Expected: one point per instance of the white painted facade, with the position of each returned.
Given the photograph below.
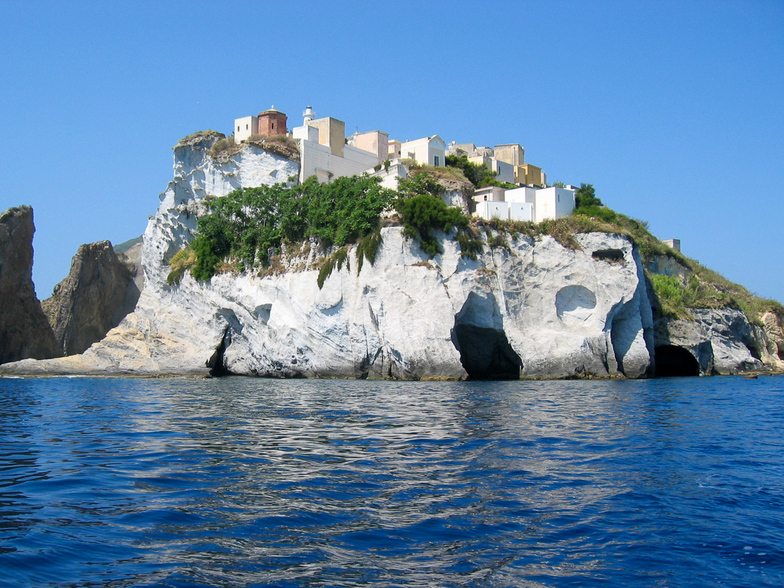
(490, 193)
(521, 211)
(426, 151)
(522, 194)
(391, 174)
(504, 172)
(325, 154)
(527, 203)
(490, 209)
(553, 202)
(318, 160)
(245, 127)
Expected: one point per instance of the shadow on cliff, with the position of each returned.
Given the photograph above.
(478, 335)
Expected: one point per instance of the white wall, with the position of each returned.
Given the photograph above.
(428, 151)
(547, 203)
(564, 202)
(490, 209)
(490, 193)
(318, 160)
(306, 132)
(245, 127)
(504, 171)
(521, 211)
(524, 194)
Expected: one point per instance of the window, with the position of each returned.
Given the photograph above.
(272, 126)
(238, 128)
(436, 160)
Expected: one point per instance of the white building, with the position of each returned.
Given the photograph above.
(553, 202)
(490, 209)
(245, 127)
(525, 203)
(325, 154)
(426, 151)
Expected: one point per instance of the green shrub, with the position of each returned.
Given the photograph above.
(470, 244)
(367, 248)
(423, 214)
(603, 213)
(337, 259)
(585, 196)
(325, 271)
(479, 175)
(252, 224)
(670, 294)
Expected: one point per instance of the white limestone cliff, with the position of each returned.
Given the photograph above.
(533, 308)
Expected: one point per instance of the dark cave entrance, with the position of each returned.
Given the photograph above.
(673, 361)
(485, 353)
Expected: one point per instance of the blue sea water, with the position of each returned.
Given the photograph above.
(251, 482)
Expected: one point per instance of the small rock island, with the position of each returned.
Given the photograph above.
(312, 254)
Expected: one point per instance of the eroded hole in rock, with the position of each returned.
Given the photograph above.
(673, 361)
(609, 255)
(575, 305)
(479, 336)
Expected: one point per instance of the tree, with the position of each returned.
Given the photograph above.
(586, 196)
(476, 173)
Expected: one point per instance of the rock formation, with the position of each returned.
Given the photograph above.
(535, 307)
(717, 341)
(531, 307)
(97, 294)
(24, 330)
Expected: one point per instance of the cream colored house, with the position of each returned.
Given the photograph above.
(426, 151)
(376, 142)
(245, 127)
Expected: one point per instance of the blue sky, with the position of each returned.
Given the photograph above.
(672, 109)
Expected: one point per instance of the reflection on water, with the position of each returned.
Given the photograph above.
(239, 482)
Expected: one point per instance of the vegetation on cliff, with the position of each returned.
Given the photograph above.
(246, 229)
(249, 226)
(692, 286)
(479, 175)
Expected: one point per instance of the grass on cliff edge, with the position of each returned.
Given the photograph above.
(697, 287)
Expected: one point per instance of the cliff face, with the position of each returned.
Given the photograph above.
(24, 330)
(534, 308)
(97, 294)
(531, 308)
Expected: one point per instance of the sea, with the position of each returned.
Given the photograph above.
(243, 482)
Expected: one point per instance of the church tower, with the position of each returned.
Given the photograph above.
(272, 122)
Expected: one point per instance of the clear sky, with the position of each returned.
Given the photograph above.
(674, 110)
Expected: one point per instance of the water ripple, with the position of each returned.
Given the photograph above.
(243, 482)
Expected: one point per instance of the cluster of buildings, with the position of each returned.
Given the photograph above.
(326, 153)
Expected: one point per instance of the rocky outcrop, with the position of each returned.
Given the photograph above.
(718, 341)
(97, 294)
(24, 330)
(532, 308)
(536, 309)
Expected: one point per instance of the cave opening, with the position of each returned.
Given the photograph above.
(217, 363)
(673, 361)
(486, 354)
